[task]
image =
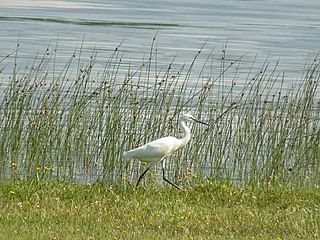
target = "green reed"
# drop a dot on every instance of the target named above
(73, 119)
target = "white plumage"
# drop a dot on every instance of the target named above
(160, 149)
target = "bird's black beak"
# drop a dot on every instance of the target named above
(198, 121)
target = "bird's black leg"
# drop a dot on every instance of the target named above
(141, 176)
(164, 177)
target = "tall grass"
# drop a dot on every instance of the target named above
(73, 119)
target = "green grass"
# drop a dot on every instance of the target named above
(70, 120)
(61, 210)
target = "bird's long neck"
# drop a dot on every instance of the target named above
(186, 132)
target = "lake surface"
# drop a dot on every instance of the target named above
(284, 31)
(280, 30)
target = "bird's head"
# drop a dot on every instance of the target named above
(189, 117)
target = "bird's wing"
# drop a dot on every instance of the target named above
(155, 150)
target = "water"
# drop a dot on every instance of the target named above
(285, 30)
(288, 31)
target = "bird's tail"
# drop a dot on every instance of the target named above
(125, 155)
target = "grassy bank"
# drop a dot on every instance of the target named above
(57, 210)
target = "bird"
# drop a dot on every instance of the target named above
(159, 150)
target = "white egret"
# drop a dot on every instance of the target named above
(160, 149)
